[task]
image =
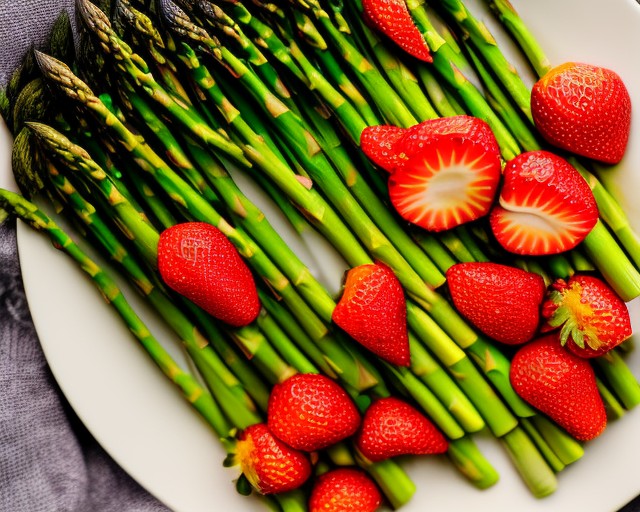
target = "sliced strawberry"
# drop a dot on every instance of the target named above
(450, 180)
(392, 18)
(546, 206)
(468, 127)
(377, 143)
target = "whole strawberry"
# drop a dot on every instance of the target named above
(561, 385)
(392, 427)
(448, 172)
(310, 412)
(344, 490)
(198, 261)
(392, 18)
(373, 311)
(268, 464)
(592, 317)
(503, 302)
(546, 206)
(584, 109)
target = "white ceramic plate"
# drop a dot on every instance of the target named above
(142, 422)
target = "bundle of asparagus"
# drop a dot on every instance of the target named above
(160, 111)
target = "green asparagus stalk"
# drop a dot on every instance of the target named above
(195, 394)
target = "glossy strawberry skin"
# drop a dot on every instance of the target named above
(392, 18)
(462, 126)
(199, 262)
(561, 385)
(545, 206)
(501, 301)
(583, 109)
(269, 464)
(373, 311)
(344, 490)
(310, 412)
(377, 142)
(592, 317)
(392, 427)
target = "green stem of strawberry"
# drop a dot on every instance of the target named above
(537, 474)
(619, 378)
(197, 396)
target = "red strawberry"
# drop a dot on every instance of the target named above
(344, 490)
(561, 385)
(467, 127)
(592, 317)
(546, 206)
(450, 175)
(310, 412)
(392, 427)
(269, 464)
(392, 18)
(198, 261)
(377, 143)
(584, 109)
(373, 311)
(501, 301)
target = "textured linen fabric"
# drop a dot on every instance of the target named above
(48, 461)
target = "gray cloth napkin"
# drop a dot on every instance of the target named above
(48, 461)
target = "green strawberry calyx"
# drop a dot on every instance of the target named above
(566, 309)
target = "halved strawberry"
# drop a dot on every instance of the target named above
(377, 143)
(546, 206)
(392, 18)
(468, 127)
(451, 179)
